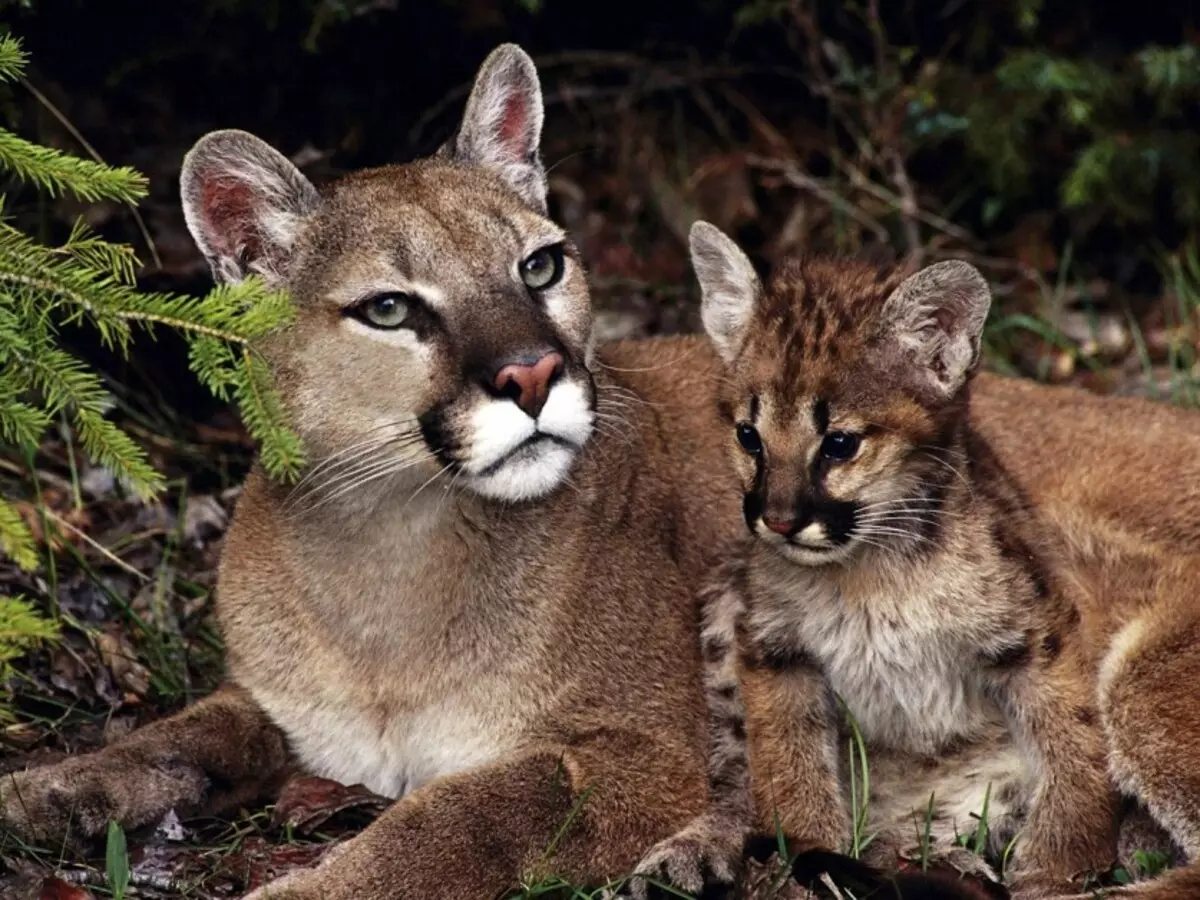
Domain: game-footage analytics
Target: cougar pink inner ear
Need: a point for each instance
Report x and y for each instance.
(244, 203)
(514, 133)
(227, 216)
(502, 123)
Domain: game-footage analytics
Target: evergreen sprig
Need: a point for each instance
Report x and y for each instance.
(90, 280)
(21, 629)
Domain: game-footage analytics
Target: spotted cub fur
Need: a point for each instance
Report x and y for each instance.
(995, 583)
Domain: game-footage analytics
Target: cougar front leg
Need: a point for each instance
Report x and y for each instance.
(1050, 703)
(219, 752)
(706, 856)
(582, 810)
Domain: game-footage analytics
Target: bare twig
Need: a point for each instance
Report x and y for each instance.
(91, 151)
(795, 176)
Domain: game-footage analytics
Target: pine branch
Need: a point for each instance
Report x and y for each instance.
(262, 410)
(13, 59)
(58, 173)
(21, 630)
(16, 540)
(67, 383)
(91, 281)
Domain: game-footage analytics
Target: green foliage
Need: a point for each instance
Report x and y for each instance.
(1001, 111)
(1115, 127)
(89, 280)
(21, 629)
(116, 859)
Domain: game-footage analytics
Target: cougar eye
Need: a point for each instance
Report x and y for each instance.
(840, 445)
(383, 310)
(543, 268)
(747, 436)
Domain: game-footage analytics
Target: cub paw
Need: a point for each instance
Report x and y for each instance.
(702, 859)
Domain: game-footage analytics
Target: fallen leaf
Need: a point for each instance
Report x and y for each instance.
(258, 861)
(307, 802)
(117, 652)
(204, 519)
(56, 889)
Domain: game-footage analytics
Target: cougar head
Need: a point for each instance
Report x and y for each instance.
(844, 391)
(443, 321)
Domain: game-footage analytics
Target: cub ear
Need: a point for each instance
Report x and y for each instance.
(729, 287)
(502, 125)
(244, 202)
(937, 317)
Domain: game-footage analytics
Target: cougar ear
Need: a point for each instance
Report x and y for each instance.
(937, 316)
(728, 284)
(244, 202)
(502, 125)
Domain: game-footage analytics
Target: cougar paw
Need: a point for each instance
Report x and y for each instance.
(701, 860)
(79, 796)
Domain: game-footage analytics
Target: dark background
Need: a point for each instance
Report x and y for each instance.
(1028, 139)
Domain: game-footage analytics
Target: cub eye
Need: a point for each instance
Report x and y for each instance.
(383, 310)
(543, 268)
(840, 445)
(747, 436)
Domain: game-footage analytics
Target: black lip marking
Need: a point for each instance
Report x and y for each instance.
(839, 519)
(437, 437)
(533, 440)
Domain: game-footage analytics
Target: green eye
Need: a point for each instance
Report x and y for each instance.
(543, 268)
(384, 310)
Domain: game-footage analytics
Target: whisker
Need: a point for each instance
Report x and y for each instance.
(364, 467)
(899, 500)
(436, 475)
(878, 531)
(905, 515)
(353, 453)
(386, 471)
(664, 365)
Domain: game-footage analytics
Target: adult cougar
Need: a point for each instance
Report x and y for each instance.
(479, 599)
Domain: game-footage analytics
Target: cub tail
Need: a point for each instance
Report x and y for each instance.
(832, 875)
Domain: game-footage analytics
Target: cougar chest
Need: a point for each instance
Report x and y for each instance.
(371, 730)
(392, 669)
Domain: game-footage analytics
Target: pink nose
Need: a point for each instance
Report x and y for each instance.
(529, 386)
(780, 526)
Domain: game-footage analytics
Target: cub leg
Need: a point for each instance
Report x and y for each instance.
(220, 752)
(583, 809)
(791, 724)
(1050, 704)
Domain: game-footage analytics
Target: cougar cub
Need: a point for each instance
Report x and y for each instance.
(999, 581)
(479, 600)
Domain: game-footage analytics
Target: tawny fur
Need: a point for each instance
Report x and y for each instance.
(1013, 610)
(502, 668)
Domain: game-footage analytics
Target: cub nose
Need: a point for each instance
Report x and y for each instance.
(529, 385)
(780, 526)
